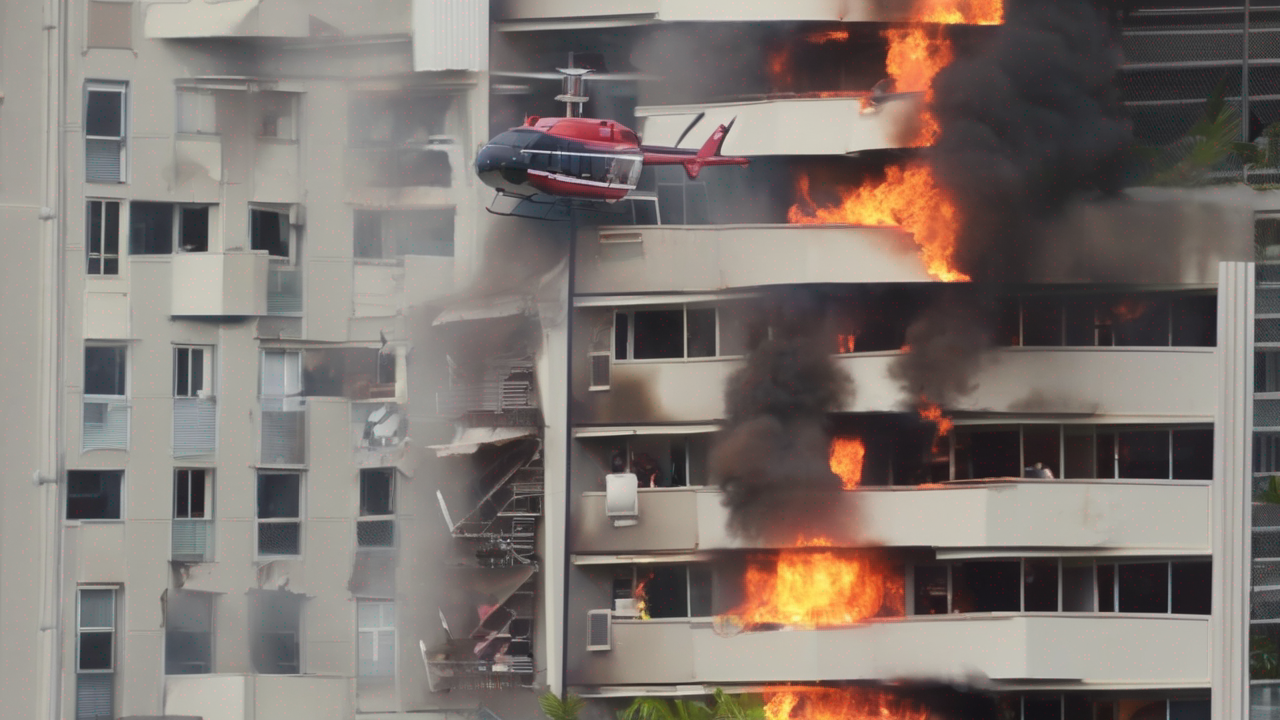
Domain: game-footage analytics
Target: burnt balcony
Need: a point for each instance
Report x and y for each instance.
(503, 394)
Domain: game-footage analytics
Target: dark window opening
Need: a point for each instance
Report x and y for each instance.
(1144, 587)
(700, 325)
(1040, 586)
(621, 332)
(1195, 321)
(188, 372)
(269, 230)
(189, 494)
(1143, 454)
(377, 491)
(987, 586)
(1080, 324)
(1077, 587)
(279, 507)
(1041, 709)
(1040, 456)
(735, 330)
(1193, 454)
(659, 334)
(393, 235)
(105, 370)
(931, 590)
(1041, 322)
(1138, 322)
(1192, 588)
(1105, 447)
(700, 582)
(193, 229)
(1106, 588)
(988, 454)
(1079, 456)
(668, 592)
(151, 228)
(94, 494)
(104, 114)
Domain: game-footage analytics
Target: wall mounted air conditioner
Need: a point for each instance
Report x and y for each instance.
(622, 499)
(599, 630)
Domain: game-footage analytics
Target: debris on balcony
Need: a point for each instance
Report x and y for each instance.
(488, 624)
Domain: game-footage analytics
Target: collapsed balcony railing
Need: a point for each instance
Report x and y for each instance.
(505, 518)
(505, 388)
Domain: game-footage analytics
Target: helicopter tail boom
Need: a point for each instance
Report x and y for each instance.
(693, 161)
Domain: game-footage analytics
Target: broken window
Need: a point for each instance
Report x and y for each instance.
(377, 500)
(987, 586)
(104, 131)
(1130, 321)
(188, 633)
(269, 230)
(110, 25)
(279, 514)
(192, 371)
(151, 228)
(385, 235)
(197, 112)
(102, 237)
(376, 638)
(1040, 452)
(94, 494)
(275, 622)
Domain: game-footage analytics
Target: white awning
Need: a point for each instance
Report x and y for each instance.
(586, 301)
(622, 431)
(239, 83)
(468, 440)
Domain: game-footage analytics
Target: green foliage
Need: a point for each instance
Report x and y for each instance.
(1212, 141)
(738, 707)
(1264, 659)
(557, 709)
(1270, 493)
(725, 707)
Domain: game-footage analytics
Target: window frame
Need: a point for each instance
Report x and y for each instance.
(66, 506)
(377, 631)
(212, 599)
(206, 103)
(120, 87)
(114, 629)
(297, 363)
(684, 308)
(208, 492)
(300, 520)
(207, 365)
(363, 517)
(128, 379)
(290, 242)
(102, 256)
(291, 125)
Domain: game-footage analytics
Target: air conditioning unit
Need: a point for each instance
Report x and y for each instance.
(622, 499)
(599, 630)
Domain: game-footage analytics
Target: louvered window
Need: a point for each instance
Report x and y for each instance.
(106, 405)
(197, 112)
(95, 654)
(193, 515)
(102, 237)
(376, 638)
(279, 514)
(105, 123)
(600, 367)
(195, 413)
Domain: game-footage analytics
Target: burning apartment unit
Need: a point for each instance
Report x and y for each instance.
(808, 461)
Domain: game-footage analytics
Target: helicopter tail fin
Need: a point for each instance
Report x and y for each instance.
(709, 153)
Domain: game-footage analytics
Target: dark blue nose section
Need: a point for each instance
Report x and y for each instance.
(500, 166)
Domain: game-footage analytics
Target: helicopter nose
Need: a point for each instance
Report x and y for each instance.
(499, 165)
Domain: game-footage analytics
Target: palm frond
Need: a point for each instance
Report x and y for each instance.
(556, 709)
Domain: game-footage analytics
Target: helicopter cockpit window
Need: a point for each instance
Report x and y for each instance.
(624, 171)
(517, 138)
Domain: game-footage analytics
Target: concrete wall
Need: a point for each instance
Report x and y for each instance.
(707, 10)
(1153, 518)
(1137, 383)
(1062, 649)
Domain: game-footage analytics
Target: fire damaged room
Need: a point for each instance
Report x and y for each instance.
(641, 360)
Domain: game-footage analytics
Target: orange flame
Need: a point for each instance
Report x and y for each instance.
(812, 588)
(847, 454)
(822, 37)
(957, 12)
(916, 54)
(933, 414)
(845, 343)
(909, 198)
(641, 596)
(839, 704)
(1129, 310)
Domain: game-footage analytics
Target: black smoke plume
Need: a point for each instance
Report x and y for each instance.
(947, 343)
(773, 457)
(1030, 122)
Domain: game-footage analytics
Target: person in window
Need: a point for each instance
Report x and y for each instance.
(647, 470)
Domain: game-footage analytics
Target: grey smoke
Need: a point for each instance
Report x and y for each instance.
(1029, 123)
(947, 342)
(772, 458)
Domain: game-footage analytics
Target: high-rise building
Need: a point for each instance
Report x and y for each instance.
(299, 430)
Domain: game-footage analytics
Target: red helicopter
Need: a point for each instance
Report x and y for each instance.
(548, 164)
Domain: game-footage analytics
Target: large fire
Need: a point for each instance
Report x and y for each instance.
(909, 198)
(813, 585)
(839, 704)
(847, 454)
(933, 413)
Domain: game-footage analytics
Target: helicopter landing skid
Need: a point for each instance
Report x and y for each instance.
(545, 207)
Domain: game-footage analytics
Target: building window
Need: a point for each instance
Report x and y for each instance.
(110, 25)
(663, 460)
(275, 624)
(192, 539)
(279, 514)
(377, 638)
(376, 526)
(154, 228)
(188, 633)
(392, 235)
(197, 112)
(94, 494)
(1119, 321)
(192, 371)
(674, 591)
(681, 201)
(106, 405)
(193, 228)
(278, 116)
(102, 237)
(678, 333)
(95, 653)
(269, 230)
(105, 123)
(105, 370)
(281, 373)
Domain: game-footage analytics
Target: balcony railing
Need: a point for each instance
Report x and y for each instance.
(284, 291)
(106, 423)
(195, 427)
(192, 539)
(284, 431)
(506, 387)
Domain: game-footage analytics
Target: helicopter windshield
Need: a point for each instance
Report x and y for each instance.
(518, 139)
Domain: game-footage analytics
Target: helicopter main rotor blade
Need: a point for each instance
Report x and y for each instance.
(593, 77)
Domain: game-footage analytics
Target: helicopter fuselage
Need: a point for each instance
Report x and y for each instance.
(573, 158)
